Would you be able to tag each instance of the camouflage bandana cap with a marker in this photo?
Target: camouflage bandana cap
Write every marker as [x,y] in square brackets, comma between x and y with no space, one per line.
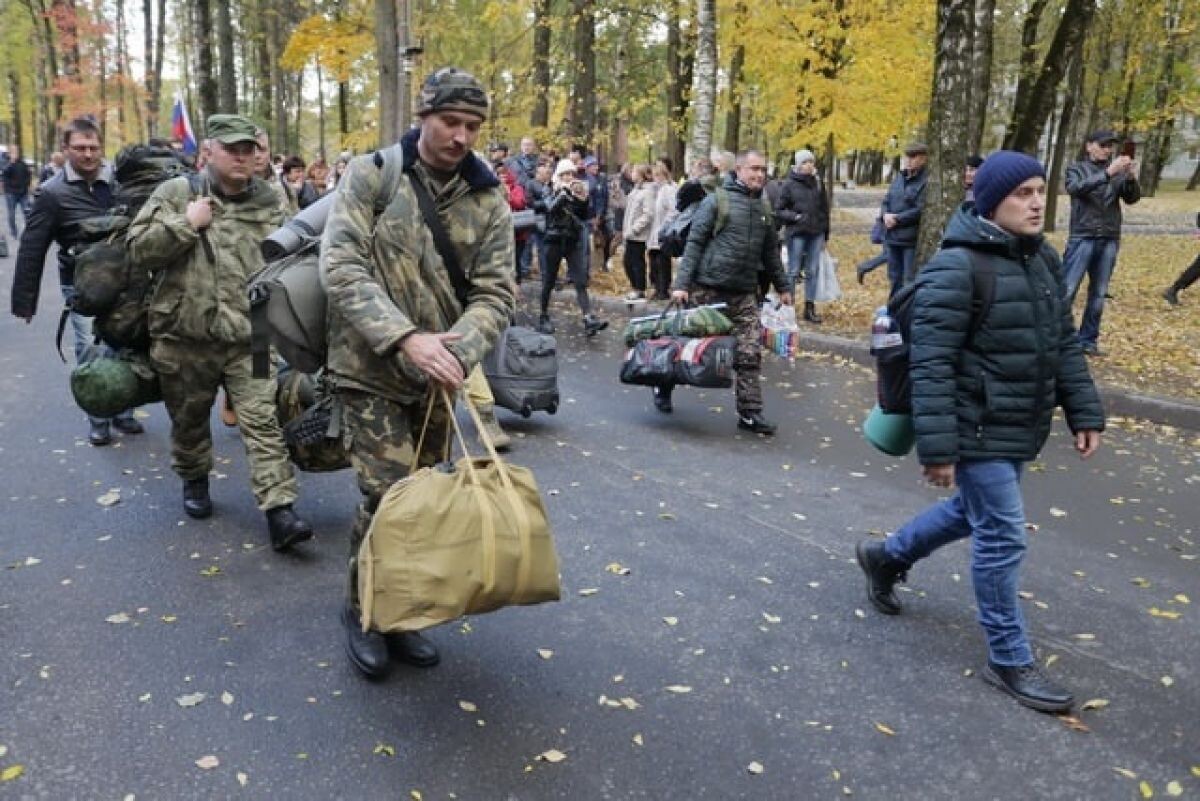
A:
[453,89]
[229,129]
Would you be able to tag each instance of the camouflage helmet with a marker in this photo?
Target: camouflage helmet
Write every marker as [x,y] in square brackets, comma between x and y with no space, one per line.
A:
[453,89]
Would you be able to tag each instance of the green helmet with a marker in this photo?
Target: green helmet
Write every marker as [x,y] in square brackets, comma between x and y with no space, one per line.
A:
[104,387]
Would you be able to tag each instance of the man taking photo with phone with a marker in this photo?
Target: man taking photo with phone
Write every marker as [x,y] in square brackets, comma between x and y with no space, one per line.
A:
[1097,185]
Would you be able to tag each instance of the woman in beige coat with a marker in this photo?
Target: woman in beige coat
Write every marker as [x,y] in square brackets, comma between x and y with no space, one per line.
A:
[639,223]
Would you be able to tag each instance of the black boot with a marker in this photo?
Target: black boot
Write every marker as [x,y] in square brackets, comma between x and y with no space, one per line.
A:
[756,423]
[99,434]
[1171,295]
[367,650]
[662,398]
[593,325]
[544,325]
[810,313]
[882,574]
[1029,686]
[128,425]
[196,502]
[286,528]
[412,648]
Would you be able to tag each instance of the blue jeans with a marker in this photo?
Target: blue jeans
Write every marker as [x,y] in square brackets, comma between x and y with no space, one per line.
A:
[1096,258]
[12,201]
[899,260]
[987,508]
[86,347]
[804,252]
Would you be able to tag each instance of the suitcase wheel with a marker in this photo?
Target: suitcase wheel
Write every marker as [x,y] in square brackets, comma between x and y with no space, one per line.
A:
[553,407]
[526,411]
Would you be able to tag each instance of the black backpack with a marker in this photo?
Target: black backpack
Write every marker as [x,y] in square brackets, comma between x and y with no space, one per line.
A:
[893,384]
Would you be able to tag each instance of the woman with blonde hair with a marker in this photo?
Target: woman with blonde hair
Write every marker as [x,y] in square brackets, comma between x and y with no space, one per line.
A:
[664,212]
[635,230]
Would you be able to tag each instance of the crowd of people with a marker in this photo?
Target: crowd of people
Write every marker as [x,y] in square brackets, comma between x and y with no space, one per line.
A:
[983,390]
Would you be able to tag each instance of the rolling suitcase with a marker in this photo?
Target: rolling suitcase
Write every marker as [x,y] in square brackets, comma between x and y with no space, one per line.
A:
[522,371]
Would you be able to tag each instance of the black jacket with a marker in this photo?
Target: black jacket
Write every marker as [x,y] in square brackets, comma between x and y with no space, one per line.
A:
[17,177]
[803,208]
[1096,199]
[732,258]
[906,199]
[565,214]
[58,207]
[991,395]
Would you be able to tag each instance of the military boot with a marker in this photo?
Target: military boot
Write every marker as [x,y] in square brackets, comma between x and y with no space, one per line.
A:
[500,440]
[882,574]
[286,528]
[196,502]
[368,650]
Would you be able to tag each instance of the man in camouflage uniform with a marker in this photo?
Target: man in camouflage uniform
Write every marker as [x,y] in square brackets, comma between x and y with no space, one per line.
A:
[200,234]
[398,335]
[721,264]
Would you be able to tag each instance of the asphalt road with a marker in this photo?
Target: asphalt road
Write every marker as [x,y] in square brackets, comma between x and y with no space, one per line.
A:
[741,587]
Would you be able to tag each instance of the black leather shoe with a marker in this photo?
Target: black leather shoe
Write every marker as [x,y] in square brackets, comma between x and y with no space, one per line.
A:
[128,425]
[1029,686]
[413,648]
[286,528]
[860,274]
[545,326]
[367,649]
[99,434]
[196,501]
[810,313]
[754,422]
[882,575]
[662,399]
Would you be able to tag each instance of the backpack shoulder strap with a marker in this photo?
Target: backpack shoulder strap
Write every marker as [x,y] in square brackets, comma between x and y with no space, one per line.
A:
[390,162]
[983,288]
[722,209]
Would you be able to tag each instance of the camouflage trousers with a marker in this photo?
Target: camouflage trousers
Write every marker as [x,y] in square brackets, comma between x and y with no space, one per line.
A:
[742,310]
[190,374]
[383,438]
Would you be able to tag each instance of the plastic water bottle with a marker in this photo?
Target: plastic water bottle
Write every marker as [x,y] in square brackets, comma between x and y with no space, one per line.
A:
[884,331]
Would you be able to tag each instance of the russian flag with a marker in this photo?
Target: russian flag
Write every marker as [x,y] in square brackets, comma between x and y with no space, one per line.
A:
[181,126]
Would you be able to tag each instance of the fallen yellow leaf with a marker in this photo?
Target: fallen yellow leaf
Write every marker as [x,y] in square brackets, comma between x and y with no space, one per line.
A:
[552,756]
[207,762]
[381,749]
[1174,789]
[1167,613]
[1146,789]
[754,768]
[885,729]
[1183,599]
[1126,772]
[467,706]
[1095,703]
[12,772]
[679,688]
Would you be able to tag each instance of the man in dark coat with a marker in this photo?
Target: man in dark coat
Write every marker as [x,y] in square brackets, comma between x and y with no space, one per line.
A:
[85,188]
[17,178]
[1097,185]
[901,213]
[731,241]
[983,398]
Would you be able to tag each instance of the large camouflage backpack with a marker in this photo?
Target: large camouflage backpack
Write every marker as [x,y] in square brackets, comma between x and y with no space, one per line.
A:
[105,386]
[308,413]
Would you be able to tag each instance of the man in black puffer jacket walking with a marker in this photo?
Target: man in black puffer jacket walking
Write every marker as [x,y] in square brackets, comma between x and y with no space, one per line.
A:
[983,397]
[721,264]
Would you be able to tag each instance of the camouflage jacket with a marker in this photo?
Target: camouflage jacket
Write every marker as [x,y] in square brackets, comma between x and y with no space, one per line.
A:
[200,292]
[385,280]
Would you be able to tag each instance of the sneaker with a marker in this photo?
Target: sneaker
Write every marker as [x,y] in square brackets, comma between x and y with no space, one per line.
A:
[593,325]
[544,325]
[1029,686]
[754,422]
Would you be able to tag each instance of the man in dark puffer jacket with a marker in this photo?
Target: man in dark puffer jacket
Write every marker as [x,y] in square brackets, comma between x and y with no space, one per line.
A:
[723,266]
[982,407]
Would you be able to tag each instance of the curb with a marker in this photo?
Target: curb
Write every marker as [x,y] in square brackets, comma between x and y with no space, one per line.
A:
[1117,402]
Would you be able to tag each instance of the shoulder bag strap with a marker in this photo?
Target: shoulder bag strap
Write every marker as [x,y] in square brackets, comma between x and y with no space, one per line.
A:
[441,240]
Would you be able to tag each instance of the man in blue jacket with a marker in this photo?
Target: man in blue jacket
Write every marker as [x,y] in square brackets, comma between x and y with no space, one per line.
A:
[1097,185]
[983,397]
[901,213]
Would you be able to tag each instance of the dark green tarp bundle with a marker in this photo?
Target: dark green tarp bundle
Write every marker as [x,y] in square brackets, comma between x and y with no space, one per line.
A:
[105,386]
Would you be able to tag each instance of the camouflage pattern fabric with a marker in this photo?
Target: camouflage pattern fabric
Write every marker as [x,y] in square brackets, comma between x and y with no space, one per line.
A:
[742,310]
[452,89]
[699,322]
[195,299]
[383,438]
[190,374]
[384,278]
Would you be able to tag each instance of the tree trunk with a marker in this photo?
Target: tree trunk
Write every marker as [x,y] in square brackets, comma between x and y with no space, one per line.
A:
[279,91]
[947,125]
[705,79]
[676,114]
[1158,143]
[227,86]
[148,66]
[1069,39]
[51,103]
[387,53]
[264,74]
[582,112]
[297,97]
[733,117]
[981,72]
[14,96]
[1027,66]
[343,113]
[206,82]
[539,116]
[320,112]
[1194,181]
[160,38]
[101,68]
[1062,141]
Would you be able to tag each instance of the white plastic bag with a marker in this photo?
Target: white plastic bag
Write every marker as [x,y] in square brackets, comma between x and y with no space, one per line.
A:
[828,287]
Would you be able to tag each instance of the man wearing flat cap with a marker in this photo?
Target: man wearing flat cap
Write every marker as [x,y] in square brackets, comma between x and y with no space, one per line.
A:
[200,235]
[400,331]
[901,213]
[1097,185]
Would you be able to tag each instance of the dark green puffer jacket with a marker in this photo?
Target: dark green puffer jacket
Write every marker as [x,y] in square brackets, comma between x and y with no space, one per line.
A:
[731,259]
[992,395]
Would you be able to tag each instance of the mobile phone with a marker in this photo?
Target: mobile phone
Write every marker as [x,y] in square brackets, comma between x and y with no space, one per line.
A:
[1129,149]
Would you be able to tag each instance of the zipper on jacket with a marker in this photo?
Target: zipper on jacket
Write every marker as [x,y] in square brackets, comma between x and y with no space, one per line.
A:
[1037,289]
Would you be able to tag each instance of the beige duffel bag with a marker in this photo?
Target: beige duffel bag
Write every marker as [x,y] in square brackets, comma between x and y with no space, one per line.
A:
[446,544]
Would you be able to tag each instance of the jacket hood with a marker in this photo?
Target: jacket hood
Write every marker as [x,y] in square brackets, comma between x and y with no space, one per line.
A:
[473,170]
[732,184]
[967,229]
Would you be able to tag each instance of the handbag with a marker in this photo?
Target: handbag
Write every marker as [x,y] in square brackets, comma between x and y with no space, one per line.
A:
[454,540]
[651,362]
[828,287]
